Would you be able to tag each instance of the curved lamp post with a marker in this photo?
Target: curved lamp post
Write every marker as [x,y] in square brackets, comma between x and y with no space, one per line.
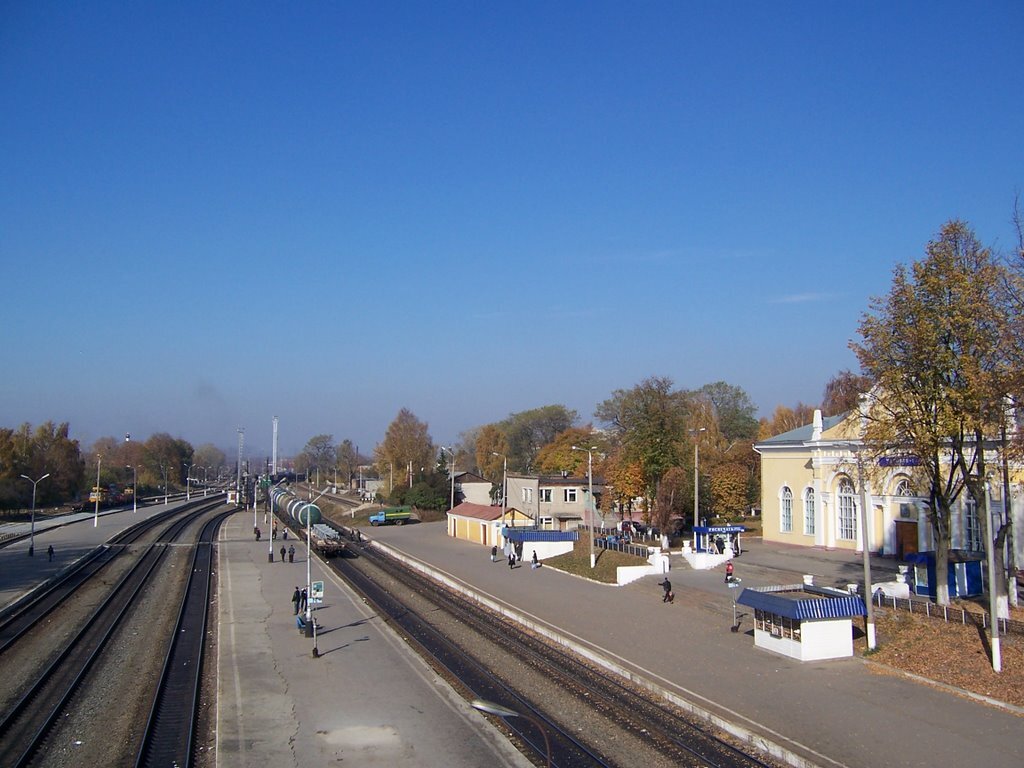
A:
[499,711]
[32,530]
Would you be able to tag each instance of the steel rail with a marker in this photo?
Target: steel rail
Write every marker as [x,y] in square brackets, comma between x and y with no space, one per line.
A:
[170,727]
[24,729]
[643,714]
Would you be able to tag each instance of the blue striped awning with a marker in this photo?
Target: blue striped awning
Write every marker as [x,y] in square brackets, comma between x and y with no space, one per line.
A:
[803,604]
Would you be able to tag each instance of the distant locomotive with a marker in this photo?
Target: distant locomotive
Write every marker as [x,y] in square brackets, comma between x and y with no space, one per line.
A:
[287,504]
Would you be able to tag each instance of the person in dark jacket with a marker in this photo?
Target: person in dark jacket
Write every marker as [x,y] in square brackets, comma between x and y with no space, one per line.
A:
[296,599]
[669,596]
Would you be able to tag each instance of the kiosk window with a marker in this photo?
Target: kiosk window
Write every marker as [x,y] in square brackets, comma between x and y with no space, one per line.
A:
[777,626]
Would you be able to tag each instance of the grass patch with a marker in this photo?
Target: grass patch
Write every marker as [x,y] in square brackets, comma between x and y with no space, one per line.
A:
[578,562]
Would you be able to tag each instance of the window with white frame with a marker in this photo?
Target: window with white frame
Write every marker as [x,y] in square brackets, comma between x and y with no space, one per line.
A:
[545,495]
[972,525]
[569,495]
[809,512]
[786,510]
[528,495]
[847,511]
[547,523]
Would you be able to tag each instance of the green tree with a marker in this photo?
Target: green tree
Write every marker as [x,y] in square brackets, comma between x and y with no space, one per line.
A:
[843,392]
[491,445]
[209,455]
[407,442]
[348,460]
[558,455]
[47,449]
[319,452]
[649,423]
[732,410]
[529,431]
[933,346]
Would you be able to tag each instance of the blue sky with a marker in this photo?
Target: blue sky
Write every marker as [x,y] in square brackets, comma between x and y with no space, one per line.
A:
[214,213]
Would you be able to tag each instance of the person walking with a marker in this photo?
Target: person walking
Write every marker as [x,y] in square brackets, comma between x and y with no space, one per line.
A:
[257,534]
[536,563]
[296,599]
[283,552]
[49,552]
[291,553]
[494,553]
[669,596]
[305,598]
[511,561]
[728,572]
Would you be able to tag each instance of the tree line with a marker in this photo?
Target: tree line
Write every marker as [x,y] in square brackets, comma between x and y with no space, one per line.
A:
[160,463]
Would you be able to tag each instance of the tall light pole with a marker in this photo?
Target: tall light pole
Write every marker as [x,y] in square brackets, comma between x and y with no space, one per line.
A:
[135,487]
[163,469]
[451,473]
[309,559]
[32,529]
[504,484]
[96,513]
[590,486]
[993,588]
[696,482]
[188,481]
[868,591]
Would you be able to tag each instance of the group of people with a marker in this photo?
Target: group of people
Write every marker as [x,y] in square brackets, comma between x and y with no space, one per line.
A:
[290,552]
[515,557]
[299,599]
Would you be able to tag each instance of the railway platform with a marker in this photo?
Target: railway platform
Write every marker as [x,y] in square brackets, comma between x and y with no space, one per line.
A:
[835,714]
[365,699]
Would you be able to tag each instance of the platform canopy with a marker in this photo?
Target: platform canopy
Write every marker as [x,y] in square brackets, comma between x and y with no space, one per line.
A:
[803,602]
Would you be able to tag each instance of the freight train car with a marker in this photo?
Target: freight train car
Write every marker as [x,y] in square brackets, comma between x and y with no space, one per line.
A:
[300,511]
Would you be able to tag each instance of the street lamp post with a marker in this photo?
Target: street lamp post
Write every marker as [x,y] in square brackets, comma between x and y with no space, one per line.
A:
[163,469]
[504,484]
[451,472]
[32,529]
[135,487]
[309,575]
[993,590]
[590,487]
[188,481]
[696,482]
[96,513]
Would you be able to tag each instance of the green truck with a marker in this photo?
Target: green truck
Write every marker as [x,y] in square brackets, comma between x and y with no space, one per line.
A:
[396,515]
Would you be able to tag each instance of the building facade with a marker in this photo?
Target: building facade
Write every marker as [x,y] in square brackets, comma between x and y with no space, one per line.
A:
[812,494]
[556,503]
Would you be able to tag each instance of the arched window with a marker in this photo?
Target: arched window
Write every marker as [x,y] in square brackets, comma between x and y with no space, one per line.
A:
[847,527]
[786,510]
[809,512]
[903,492]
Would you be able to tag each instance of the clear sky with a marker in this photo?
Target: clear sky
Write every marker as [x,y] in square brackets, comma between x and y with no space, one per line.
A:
[214,213]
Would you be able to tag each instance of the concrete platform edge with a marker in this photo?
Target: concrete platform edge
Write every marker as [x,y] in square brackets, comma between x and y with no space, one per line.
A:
[772,745]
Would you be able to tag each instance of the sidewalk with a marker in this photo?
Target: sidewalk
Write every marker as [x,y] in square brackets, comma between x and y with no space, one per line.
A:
[367,699]
[837,713]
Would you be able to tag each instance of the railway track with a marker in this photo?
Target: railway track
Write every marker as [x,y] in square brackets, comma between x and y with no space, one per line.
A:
[54,693]
[665,735]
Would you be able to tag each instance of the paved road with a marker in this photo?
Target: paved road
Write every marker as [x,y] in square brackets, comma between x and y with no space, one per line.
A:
[836,713]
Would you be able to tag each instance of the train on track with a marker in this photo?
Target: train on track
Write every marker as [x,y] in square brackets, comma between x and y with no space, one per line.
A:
[286,503]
